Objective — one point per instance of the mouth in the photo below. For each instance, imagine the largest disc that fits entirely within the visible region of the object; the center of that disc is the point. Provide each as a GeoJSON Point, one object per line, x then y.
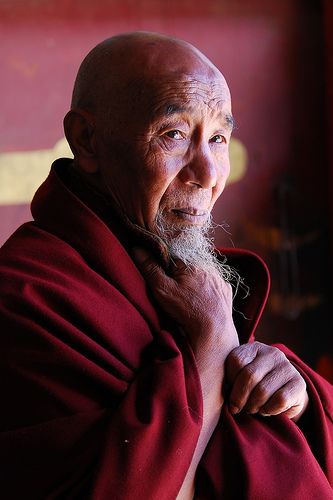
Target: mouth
{"type": "Point", "coordinates": [190, 214]}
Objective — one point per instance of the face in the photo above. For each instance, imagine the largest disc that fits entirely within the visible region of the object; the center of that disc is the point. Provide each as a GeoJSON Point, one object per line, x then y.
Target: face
{"type": "Point", "coordinates": [169, 153]}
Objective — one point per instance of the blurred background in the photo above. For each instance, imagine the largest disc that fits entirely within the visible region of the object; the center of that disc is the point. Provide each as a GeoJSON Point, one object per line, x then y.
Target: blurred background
{"type": "Point", "coordinates": [278, 59]}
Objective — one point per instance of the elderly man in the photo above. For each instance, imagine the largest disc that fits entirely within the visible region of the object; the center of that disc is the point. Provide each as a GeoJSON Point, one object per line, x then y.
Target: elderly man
{"type": "Point", "coordinates": [123, 376]}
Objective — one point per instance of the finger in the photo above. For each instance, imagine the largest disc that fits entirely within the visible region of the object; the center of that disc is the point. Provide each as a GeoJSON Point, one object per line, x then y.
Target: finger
{"type": "Point", "coordinates": [238, 358]}
{"type": "Point", "coordinates": [247, 380]}
{"type": "Point", "coordinates": [266, 388]}
{"type": "Point", "coordinates": [297, 411]}
{"type": "Point", "coordinates": [289, 399]}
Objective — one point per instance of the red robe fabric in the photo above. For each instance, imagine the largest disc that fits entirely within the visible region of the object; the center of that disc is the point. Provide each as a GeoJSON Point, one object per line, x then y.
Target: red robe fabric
{"type": "Point", "coordinates": [100, 394]}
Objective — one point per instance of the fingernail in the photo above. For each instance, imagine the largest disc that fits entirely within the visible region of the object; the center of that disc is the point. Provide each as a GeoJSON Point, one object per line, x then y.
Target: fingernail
{"type": "Point", "coordinates": [233, 409]}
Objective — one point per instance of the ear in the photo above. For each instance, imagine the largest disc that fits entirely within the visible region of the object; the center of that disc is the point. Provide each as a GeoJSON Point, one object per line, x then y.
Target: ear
{"type": "Point", "coordinates": [80, 134]}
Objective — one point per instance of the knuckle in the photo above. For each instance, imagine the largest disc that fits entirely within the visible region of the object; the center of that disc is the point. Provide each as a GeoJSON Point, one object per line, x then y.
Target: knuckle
{"type": "Point", "coordinates": [290, 371]}
{"type": "Point", "coordinates": [244, 354]}
{"type": "Point", "coordinates": [235, 361]}
{"type": "Point", "coordinates": [299, 383]}
{"type": "Point", "coordinates": [233, 356]}
{"type": "Point", "coordinates": [282, 399]}
{"type": "Point", "coordinates": [261, 393]}
{"type": "Point", "coordinates": [268, 349]}
{"type": "Point", "coordinates": [251, 374]}
{"type": "Point", "coordinates": [279, 357]}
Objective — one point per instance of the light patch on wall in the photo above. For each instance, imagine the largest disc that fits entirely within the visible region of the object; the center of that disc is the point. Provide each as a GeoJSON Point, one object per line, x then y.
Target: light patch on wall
{"type": "Point", "coordinates": [22, 172]}
{"type": "Point", "coordinates": [238, 160]}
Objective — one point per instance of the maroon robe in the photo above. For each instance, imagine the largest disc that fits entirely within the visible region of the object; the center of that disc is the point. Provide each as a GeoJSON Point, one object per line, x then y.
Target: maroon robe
{"type": "Point", "coordinates": [100, 394]}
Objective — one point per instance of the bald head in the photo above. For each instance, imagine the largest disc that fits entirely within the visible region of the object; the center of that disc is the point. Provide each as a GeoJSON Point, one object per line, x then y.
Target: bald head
{"type": "Point", "coordinates": [126, 68]}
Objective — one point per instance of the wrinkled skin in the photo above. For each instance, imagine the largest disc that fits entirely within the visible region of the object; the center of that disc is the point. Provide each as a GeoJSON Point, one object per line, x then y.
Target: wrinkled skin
{"type": "Point", "coordinates": [153, 134]}
{"type": "Point", "coordinates": [265, 382]}
{"type": "Point", "coordinates": [262, 379]}
{"type": "Point", "coordinates": [168, 148]}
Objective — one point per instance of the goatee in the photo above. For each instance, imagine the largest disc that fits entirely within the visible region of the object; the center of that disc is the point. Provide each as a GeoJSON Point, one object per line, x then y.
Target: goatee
{"type": "Point", "coordinates": [194, 246]}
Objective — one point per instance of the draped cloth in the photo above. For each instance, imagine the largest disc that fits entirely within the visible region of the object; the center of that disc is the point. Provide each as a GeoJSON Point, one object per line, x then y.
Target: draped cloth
{"type": "Point", "coordinates": [100, 395]}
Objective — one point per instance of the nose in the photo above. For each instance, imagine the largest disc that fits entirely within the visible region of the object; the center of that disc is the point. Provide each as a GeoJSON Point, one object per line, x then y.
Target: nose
{"type": "Point", "coordinates": [201, 170]}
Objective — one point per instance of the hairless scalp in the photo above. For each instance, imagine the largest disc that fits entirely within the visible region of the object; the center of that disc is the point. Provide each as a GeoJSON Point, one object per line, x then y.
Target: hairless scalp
{"type": "Point", "coordinates": [125, 64]}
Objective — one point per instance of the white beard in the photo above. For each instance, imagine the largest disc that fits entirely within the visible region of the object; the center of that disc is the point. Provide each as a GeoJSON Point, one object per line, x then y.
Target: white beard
{"type": "Point", "coordinates": [194, 247]}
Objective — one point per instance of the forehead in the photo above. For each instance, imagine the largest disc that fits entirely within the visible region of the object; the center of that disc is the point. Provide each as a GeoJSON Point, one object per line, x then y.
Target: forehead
{"type": "Point", "coordinates": [169, 96]}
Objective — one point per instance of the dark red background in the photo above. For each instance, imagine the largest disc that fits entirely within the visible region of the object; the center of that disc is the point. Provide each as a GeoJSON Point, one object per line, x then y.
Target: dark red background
{"type": "Point", "coordinates": [277, 58]}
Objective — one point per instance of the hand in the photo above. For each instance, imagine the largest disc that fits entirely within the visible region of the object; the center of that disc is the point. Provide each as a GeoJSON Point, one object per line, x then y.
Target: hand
{"type": "Point", "coordinates": [264, 382]}
{"type": "Point", "coordinates": [197, 300]}
{"type": "Point", "coordinates": [201, 303]}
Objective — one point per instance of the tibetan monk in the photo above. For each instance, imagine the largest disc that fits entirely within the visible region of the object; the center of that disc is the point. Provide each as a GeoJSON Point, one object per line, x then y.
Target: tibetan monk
{"type": "Point", "coordinates": [129, 369]}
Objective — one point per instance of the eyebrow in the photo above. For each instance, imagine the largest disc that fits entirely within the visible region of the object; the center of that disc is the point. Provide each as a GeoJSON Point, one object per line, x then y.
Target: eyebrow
{"type": "Point", "coordinates": [172, 109]}
{"type": "Point", "coordinates": [230, 121]}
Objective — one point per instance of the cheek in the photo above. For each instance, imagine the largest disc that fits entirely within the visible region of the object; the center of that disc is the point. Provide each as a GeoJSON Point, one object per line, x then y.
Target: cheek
{"type": "Point", "coordinates": [158, 170]}
{"type": "Point", "coordinates": [223, 174]}
{"type": "Point", "coordinates": [157, 173]}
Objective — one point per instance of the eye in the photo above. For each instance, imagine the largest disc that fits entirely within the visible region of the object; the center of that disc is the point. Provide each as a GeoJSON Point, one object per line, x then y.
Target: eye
{"type": "Point", "coordinates": [219, 139]}
{"type": "Point", "coordinates": [175, 134]}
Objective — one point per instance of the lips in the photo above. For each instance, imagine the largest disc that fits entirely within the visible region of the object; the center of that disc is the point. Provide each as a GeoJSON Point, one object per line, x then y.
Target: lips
{"type": "Point", "coordinates": [191, 214]}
